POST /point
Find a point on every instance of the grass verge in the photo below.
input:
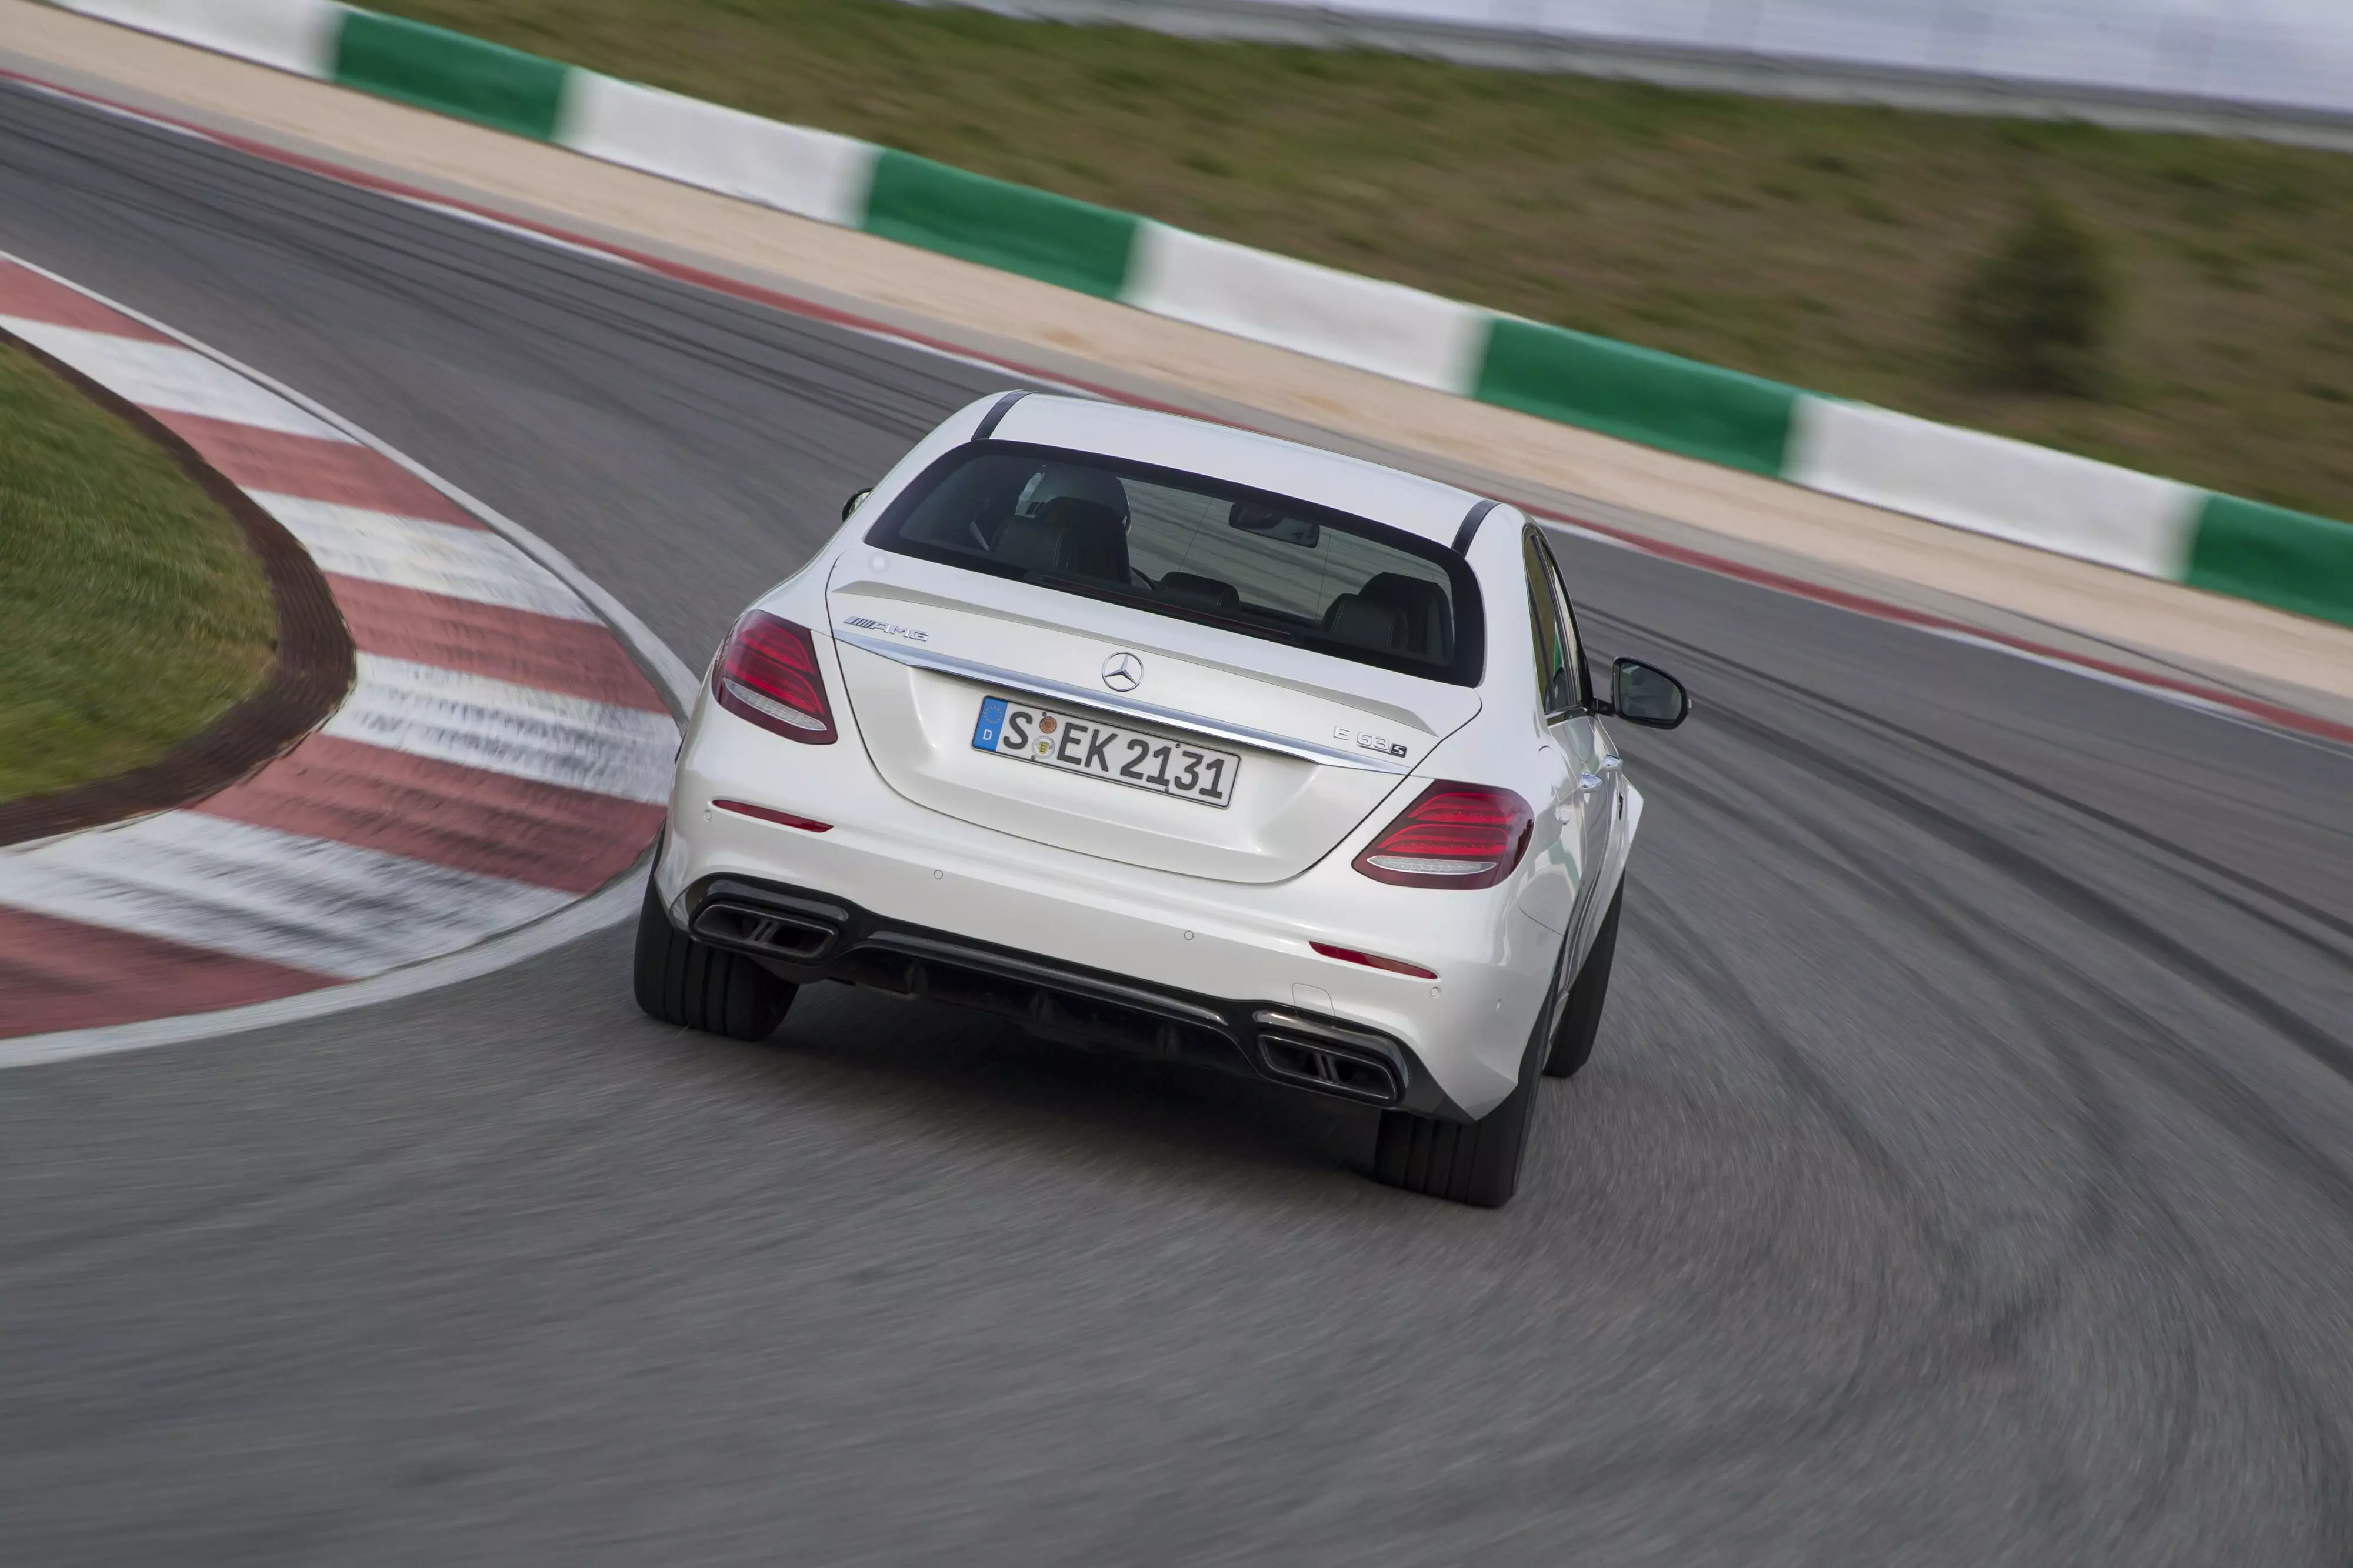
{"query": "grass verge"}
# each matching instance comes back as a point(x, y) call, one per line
point(131, 612)
point(1814, 243)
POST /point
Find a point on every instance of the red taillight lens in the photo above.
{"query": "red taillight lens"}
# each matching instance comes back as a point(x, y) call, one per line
point(769, 675)
point(770, 813)
point(1453, 836)
point(1374, 961)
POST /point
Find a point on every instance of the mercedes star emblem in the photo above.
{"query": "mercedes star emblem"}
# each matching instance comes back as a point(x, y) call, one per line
point(1122, 672)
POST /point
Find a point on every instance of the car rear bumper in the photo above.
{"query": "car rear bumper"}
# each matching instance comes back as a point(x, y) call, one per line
point(805, 936)
point(928, 904)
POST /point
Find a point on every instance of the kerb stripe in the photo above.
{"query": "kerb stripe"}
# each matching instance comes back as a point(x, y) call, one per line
point(30, 297)
point(482, 723)
point(499, 755)
point(339, 473)
point(410, 553)
point(64, 974)
point(464, 818)
point(285, 899)
point(157, 375)
point(575, 658)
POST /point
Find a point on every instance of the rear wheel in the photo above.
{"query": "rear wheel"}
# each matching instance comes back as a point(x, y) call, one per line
point(692, 984)
point(1572, 1039)
point(1475, 1163)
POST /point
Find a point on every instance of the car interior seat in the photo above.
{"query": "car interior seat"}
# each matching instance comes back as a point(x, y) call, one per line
point(1426, 614)
point(1365, 622)
point(1199, 592)
point(1081, 538)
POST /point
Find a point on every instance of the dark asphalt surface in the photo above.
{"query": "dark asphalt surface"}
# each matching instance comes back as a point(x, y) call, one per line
point(1965, 1175)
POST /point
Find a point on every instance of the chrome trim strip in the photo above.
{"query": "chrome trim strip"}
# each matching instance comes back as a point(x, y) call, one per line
point(949, 664)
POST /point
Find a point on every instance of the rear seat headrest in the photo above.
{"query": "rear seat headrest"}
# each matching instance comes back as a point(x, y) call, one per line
point(1030, 542)
point(1422, 605)
point(1364, 622)
point(1199, 592)
point(1094, 537)
point(1083, 538)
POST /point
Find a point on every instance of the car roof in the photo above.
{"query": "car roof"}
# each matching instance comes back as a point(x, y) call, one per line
point(1419, 506)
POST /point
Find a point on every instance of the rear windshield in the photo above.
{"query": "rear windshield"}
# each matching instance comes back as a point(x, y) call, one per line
point(1196, 548)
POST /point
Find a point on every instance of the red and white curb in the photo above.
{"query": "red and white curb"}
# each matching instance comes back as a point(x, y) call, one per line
point(499, 756)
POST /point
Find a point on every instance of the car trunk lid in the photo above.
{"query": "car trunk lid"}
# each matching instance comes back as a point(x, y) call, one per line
point(1321, 742)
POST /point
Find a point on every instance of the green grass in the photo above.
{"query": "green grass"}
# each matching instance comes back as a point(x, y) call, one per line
point(131, 612)
point(1811, 243)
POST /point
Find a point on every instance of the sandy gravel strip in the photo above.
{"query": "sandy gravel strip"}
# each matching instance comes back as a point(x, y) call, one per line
point(499, 756)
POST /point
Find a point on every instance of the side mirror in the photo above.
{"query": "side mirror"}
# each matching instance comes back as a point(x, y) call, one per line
point(1640, 695)
point(854, 502)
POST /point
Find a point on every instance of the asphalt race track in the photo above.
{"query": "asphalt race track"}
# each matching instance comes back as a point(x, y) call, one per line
point(1965, 1175)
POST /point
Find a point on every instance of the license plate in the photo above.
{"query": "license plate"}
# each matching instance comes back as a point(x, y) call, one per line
point(1132, 757)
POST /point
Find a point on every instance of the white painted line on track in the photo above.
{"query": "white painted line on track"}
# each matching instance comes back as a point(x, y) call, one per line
point(521, 231)
point(120, 112)
point(615, 903)
point(311, 903)
point(476, 721)
point(2125, 681)
point(597, 251)
point(164, 376)
point(2177, 692)
point(416, 553)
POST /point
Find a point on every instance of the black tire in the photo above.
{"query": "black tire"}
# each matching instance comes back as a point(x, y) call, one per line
point(1475, 1163)
point(1572, 1042)
point(699, 986)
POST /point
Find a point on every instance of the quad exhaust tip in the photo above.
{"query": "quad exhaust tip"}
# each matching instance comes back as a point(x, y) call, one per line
point(768, 932)
point(1328, 1058)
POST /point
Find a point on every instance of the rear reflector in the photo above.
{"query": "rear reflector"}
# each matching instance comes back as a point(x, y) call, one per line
point(1374, 961)
point(770, 813)
point(1453, 835)
point(769, 675)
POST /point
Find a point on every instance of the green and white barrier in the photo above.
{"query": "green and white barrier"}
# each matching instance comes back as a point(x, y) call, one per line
point(1637, 393)
point(2289, 559)
point(2010, 490)
point(812, 174)
point(1384, 328)
point(1989, 484)
point(292, 35)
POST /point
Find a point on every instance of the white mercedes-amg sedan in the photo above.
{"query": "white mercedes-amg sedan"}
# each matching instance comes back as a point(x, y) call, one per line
point(1159, 736)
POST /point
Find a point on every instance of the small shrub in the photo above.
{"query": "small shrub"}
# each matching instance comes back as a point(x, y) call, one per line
point(2036, 313)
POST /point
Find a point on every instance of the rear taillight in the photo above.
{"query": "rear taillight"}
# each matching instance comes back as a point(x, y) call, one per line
point(768, 674)
point(1453, 835)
